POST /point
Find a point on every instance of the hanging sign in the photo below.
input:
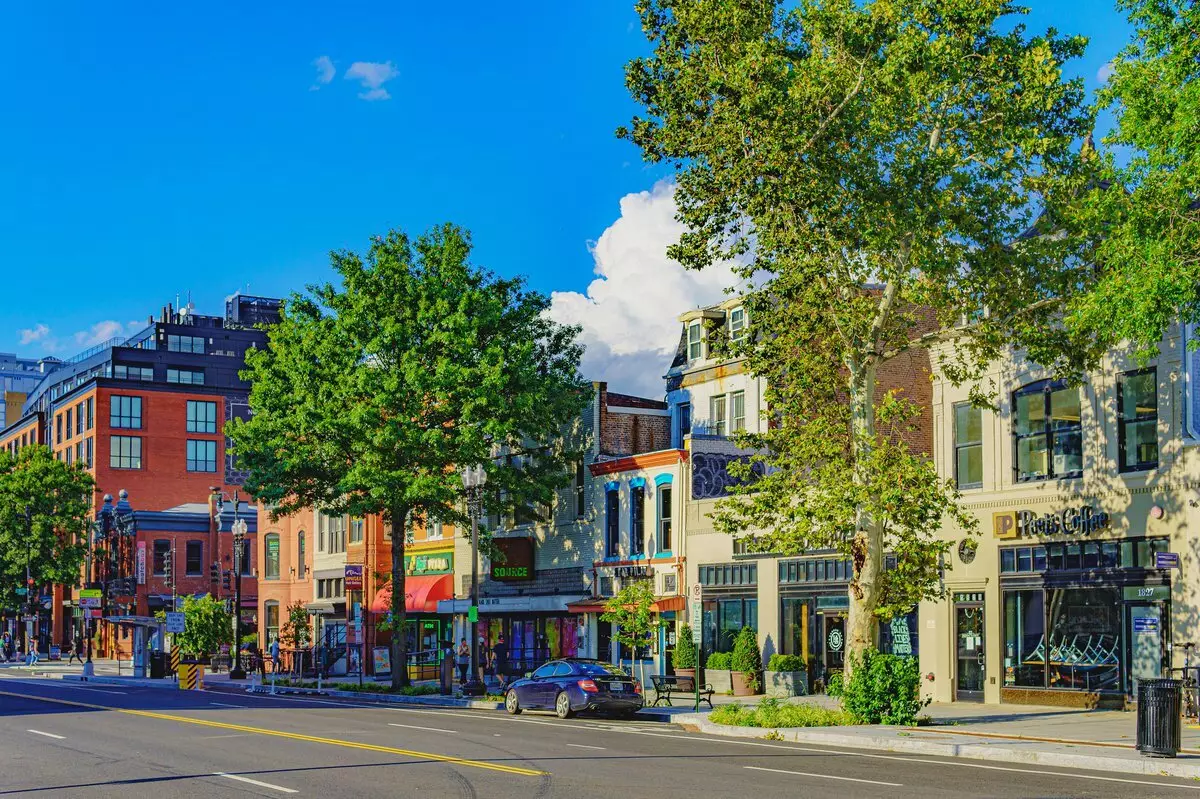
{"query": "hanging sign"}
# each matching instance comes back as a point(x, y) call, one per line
point(141, 563)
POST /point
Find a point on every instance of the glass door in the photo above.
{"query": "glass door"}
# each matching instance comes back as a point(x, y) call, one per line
point(834, 631)
point(1145, 636)
point(968, 637)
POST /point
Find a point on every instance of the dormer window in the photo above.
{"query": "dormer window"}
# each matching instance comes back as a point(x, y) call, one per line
point(695, 343)
point(737, 324)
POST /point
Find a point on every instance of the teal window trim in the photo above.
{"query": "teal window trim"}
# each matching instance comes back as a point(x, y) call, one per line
point(637, 482)
point(612, 485)
point(664, 479)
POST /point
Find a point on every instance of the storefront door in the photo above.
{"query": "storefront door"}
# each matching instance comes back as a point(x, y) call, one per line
point(835, 643)
point(968, 636)
point(1144, 632)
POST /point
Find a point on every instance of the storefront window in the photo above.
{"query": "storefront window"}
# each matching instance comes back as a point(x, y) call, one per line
point(899, 636)
point(724, 619)
point(794, 631)
point(1085, 638)
point(1024, 639)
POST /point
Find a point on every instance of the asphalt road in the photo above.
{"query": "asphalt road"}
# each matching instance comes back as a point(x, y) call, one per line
point(68, 740)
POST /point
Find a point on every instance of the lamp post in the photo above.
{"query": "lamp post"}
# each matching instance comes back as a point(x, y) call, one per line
point(239, 548)
point(474, 478)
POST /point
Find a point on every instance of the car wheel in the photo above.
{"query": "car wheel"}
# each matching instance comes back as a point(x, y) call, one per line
point(511, 703)
point(562, 706)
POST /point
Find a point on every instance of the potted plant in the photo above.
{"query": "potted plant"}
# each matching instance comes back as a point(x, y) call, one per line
point(683, 658)
point(786, 675)
point(746, 663)
point(716, 672)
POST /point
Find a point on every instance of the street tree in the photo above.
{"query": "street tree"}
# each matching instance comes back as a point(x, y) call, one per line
point(44, 521)
point(372, 392)
point(207, 625)
point(876, 173)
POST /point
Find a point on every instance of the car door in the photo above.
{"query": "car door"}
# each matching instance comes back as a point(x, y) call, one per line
point(541, 689)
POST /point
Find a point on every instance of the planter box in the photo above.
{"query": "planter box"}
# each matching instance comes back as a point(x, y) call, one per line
point(721, 680)
point(786, 683)
point(743, 685)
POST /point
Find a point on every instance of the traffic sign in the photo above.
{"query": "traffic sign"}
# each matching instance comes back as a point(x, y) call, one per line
point(697, 592)
point(90, 597)
point(473, 614)
point(176, 622)
point(696, 613)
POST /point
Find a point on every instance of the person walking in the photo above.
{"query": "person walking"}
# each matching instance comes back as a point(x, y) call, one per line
point(275, 655)
point(5, 644)
point(75, 653)
point(500, 659)
point(463, 660)
point(31, 657)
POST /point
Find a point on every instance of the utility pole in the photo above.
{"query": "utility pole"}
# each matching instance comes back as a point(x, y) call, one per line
point(474, 478)
point(239, 548)
point(30, 644)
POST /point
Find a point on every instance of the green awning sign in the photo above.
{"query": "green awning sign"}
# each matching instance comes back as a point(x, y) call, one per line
point(1148, 593)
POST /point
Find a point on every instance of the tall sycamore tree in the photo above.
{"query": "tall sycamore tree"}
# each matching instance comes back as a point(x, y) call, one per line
point(876, 171)
point(372, 391)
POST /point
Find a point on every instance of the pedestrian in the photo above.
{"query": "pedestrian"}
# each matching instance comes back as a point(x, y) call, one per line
point(75, 653)
point(31, 657)
point(500, 659)
point(5, 644)
point(275, 655)
point(463, 660)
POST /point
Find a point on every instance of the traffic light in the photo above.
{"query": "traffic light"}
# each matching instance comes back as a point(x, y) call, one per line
point(167, 564)
point(214, 572)
point(225, 579)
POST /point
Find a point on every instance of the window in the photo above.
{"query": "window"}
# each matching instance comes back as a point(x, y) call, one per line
point(185, 344)
point(612, 522)
point(272, 610)
point(968, 445)
point(185, 377)
point(201, 456)
point(125, 452)
point(637, 519)
point(664, 517)
point(737, 411)
point(70, 418)
point(1083, 650)
point(161, 547)
point(717, 413)
point(435, 531)
point(1137, 418)
point(685, 420)
point(1047, 432)
point(356, 531)
point(195, 558)
point(67, 456)
point(91, 413)
point(737, 324)
point(58, 439)
point(79, 452)
point(79, 419)
point(126, 412)
point(87, 448)
point(695, 344)
point(123, 372)
point(580, 484)
point(335, 534)
point(271, 556)
point(201, 417)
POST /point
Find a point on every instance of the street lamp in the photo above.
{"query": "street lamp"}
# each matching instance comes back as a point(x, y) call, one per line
point(239, 548)
point(474, 478)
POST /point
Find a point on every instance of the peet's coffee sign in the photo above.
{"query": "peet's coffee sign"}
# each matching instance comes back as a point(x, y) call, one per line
point(1083, 520)
point(514, 560)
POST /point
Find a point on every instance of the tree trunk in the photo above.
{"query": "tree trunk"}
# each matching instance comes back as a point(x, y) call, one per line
point(862, 627)
point(399, 642)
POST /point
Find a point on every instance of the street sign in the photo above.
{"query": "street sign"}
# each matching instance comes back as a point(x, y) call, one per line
point(1166, 560)
point(1145, 624)
point(697, 592)
point(696, 614)
point(21, 591)
point(473, 614)
point(176, 622)
point(90, 598)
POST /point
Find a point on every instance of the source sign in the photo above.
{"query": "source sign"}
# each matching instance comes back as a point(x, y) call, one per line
point(514, 561)
point(176, 622)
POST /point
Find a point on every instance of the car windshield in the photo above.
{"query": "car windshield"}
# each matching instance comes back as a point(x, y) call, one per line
point(600, 670)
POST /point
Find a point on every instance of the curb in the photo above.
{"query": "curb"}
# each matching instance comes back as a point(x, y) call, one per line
point(1168, 767)
point(389, 699)
point(126, 681)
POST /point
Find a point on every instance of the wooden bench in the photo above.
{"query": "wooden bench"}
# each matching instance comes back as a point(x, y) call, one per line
point(666, 687)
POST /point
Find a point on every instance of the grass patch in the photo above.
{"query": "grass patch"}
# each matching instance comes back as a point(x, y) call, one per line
point(773, 713)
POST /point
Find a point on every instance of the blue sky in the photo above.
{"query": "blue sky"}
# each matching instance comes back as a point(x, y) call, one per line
point(161, 149)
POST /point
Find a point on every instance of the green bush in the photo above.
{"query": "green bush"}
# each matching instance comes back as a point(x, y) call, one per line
point(773, 713)
point(780, 662)
point(747, 659)
point(884, 689)
point(684, 654)
point(384, 688)
point(834, 686)
point(718, 661)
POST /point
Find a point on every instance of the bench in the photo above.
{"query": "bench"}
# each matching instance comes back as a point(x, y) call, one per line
point(666, 687)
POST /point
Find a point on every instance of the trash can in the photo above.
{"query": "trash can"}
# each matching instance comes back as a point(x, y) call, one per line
point(1159, 717)
point(158, 665)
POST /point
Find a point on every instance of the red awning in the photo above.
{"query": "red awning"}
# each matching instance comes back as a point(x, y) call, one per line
point(422, 593)
point(670, 603)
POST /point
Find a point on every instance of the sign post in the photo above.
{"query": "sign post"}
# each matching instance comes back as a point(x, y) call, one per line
point(696, 614)
point(176, 622)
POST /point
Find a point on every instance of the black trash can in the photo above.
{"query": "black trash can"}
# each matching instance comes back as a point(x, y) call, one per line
point(1159, 717)
point(158, 665)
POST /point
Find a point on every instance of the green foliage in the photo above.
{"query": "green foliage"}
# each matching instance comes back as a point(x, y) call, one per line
point(629, 610)
point(865, 167)
point(684, 654)
point(747, 658)
point(835, 685)
point(207, 626)
point(375, 388)
point(296, 632)
point(780, 662)
point(718, 661)
point(44, 521)
point(1147, 232)
point(775, 714)
point(381, 688)
point(884, 689)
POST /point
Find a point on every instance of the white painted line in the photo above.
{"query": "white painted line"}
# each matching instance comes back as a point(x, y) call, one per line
point(824, 776)
point(222, 704)
point(427, 729)
point(279, 788)
point(48, 735)
point(585, 746)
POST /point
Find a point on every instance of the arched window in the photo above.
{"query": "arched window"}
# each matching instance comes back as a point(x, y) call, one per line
point(272, 610)
point(271, 556)
point(300, 555)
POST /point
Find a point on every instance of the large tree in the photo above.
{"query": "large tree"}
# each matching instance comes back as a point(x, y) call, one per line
point(875, 171)
point(373, 391)
point(44, 521)
point(1147, 234)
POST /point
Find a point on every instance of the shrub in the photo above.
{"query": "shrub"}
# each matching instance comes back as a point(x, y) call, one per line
point(776, 714)
point(884, 689)
point(834, 686)
point(747, 659)
point(780, 662)
point(718, 661)
point(684, 654)
point(385, 688)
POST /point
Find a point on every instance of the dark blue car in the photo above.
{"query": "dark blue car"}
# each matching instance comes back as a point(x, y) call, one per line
point(574, 684)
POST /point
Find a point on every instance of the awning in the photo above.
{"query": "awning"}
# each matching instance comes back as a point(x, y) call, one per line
point(421, 593)
point(664, 605)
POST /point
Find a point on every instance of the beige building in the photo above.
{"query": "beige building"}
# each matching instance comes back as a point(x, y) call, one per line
point(1084, 572)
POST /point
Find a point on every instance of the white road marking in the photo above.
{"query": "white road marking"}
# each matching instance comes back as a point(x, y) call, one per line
point(48, 735)
point(824, 776)
point(48, 684)
point(222, 704)
point(429, 729)
point(585, 746)
point(259, 783)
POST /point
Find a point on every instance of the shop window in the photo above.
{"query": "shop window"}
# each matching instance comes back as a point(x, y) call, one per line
point(271, 559)
point(1137, 420)
point(1085, 639)
point(637, 520)
point(272, 610)
point(1047, 431)
point(195, 558)
point(968, 446)
point(1024, 639)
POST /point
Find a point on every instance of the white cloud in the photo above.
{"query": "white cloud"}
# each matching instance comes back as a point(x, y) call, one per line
point(372, 75)
point(99, 333)
point(1105, 72)
point(628, 314)
point(325, 72)
point(37, 334)
point(43, 336)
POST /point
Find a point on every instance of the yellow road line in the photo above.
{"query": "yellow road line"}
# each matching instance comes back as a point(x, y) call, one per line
point(457, 761)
